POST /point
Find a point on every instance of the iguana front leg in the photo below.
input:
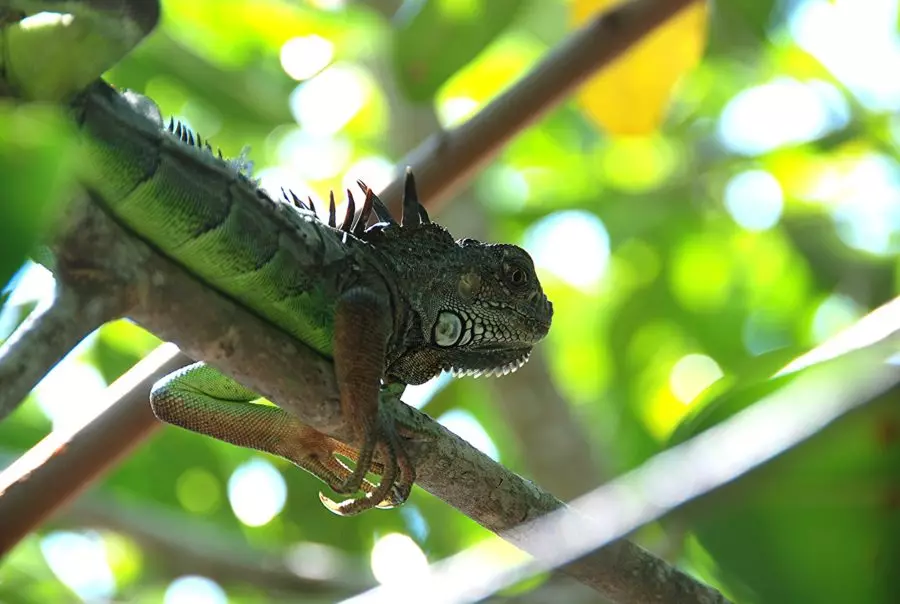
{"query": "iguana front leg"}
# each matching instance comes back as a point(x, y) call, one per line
point(201, 399)
point(362, 327)
point(205, 401)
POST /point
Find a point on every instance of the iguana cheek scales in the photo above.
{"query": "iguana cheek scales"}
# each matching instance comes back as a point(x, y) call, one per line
point(447, 330)
point(392, 303)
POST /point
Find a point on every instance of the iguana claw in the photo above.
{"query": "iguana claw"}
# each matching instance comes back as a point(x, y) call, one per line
point(397, 477)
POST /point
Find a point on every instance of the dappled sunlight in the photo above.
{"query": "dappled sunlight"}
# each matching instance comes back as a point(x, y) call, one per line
point(781, 112)
point(305, 56)
point(72, 391)
point(314, 561)
point(324, 104)
point(573, 245)
point(375, 170)
point(198, 491)
point(79, 560)
point(33, 284)
point(194, 589)
point(398, 560)
point(833, 315)
point(313, 156)
point(257, 492)
point(415, 521)
point(754, 199)
point(466, 426)
point(691, 375)
point(419, 395)
point(857, 41)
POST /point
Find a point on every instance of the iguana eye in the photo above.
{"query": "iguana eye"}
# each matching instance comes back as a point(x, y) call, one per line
point(447, 329)
point(517, 276)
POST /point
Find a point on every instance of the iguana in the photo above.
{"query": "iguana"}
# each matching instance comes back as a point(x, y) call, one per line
point(391, 303)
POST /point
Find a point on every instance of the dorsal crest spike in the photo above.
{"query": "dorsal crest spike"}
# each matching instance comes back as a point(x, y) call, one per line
point(359, 225)
point(347, 225)
point(381, 210)
point(413, 212)
point(332, 212)
point(312, 205)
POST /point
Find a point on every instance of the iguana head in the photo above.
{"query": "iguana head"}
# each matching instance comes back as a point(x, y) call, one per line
point(476, 308)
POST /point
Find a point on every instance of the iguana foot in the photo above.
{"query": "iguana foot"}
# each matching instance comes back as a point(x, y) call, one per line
point(394, 466)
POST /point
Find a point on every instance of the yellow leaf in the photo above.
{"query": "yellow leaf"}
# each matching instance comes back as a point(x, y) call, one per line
point(630, 96)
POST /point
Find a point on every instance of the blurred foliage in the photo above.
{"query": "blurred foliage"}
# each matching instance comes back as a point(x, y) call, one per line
point(699, 251)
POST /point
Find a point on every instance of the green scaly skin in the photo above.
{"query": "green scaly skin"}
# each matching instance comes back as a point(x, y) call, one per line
point(392, 304)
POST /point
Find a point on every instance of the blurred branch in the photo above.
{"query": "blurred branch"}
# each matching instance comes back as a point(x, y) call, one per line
point(64, 463)
point(47, 335)
point(551, 440)
point(447, 159)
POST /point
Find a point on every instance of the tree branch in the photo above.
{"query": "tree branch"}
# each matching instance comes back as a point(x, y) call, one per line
point(447, 159)
point(272, 363)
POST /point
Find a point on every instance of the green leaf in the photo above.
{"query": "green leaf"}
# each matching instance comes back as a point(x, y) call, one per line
point(36, 146)
point(435, 38)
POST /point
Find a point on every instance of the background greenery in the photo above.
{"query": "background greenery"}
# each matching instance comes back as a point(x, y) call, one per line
point(760, 218)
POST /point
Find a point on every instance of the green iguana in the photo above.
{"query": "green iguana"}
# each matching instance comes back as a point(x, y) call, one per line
point(392, 304)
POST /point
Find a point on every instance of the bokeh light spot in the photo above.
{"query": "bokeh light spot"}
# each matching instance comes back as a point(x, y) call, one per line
point(834, 314)
point(397, 560)
point(193, 589)
point(573, 245)
point(754, 199)
point(79, 560)
point(781, 112)
point(691, 375)
point(305, 56)
point(198, 491)
point(324, 104)
point(257, 492)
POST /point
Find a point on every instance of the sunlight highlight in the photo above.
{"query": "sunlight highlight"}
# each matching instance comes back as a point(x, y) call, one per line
point(398, 560)
point(781, 112)
point(324, 104)
point(79, 560)
point(754, 199)
point(855, 40)
point(303, 57)
point(463, 424)
point(312, 156)
point(257, 492)
point(573, 245)
point(193, 589)
point(691, 375)
point(835, 314)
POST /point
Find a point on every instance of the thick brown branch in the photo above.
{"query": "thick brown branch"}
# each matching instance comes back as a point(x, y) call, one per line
point(300, 380)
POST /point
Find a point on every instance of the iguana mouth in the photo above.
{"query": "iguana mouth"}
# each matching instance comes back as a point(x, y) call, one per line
point(504, 369)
